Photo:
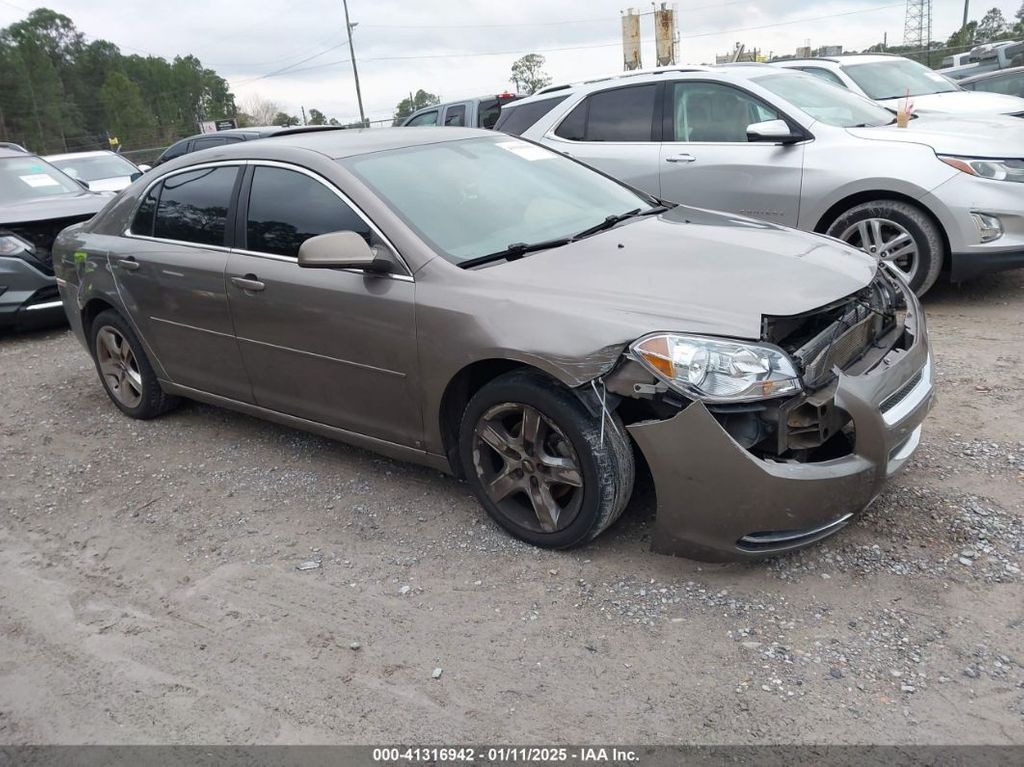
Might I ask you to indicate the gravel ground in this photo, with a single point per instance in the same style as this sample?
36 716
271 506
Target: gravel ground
210 578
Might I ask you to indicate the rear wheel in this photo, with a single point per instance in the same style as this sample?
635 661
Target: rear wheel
124 368
536 460
899 233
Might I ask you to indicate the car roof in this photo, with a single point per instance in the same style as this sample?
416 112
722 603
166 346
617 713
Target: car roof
69 155
859 58
990 74
354 141
8 152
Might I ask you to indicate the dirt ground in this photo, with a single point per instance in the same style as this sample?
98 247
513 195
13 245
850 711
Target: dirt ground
149 590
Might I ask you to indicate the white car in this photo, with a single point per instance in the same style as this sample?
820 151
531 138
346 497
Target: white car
887 79
100 171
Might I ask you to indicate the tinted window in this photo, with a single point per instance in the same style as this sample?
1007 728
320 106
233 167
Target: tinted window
427 118
208 141
515 119
175 150
286 208
193 206
1011 85
455 116
623 114
713 112
144 216
824 74
574 126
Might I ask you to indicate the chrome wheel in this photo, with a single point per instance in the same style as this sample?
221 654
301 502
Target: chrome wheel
887 240
528 467
118 366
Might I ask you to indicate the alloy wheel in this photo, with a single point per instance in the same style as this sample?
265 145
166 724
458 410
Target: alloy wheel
118 366
887 240
527 467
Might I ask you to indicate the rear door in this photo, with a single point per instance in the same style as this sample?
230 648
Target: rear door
170 275
455 115
707 161
617 131
335 346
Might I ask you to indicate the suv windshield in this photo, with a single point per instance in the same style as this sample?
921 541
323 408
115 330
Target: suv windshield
892 79
476 197
96 167
831 104
30 178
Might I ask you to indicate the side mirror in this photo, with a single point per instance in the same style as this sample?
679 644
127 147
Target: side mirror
145 167
342 250
773 131
83 182
135 176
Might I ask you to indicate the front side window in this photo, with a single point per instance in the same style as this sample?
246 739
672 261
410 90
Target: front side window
427 118
622 114
715 112
286 208
477 196
824 102
455 117
175 150
193 206
30 178
894 79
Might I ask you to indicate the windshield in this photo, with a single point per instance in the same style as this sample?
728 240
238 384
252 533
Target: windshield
30 178
831 104
475 197
892 79
96 167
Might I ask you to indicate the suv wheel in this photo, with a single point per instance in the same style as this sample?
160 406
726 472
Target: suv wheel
899 233
124 368
534 457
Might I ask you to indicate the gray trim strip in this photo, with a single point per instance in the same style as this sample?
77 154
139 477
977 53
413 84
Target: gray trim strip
372 368
190 327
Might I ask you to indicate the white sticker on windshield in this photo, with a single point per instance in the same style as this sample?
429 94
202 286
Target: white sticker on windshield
39 179
527 151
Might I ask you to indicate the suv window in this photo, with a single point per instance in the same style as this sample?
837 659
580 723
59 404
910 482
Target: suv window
455 116
175 150
193 206
714 112
1011 85
517 118
427 118
622 114
824 74
286 208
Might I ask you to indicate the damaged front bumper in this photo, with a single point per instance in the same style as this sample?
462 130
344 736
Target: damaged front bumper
717 501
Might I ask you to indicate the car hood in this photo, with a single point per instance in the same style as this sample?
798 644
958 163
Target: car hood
45 208
687 270
962 102
114 184
967 136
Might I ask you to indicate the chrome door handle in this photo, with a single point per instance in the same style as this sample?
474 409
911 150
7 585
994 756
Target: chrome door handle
128 264
248 283
681 158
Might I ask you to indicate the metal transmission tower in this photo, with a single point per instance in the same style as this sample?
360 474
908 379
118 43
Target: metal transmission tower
917 29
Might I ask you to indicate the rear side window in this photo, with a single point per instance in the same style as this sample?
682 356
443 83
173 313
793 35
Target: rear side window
193 206
207 142
455 117
427 118
516 119
286 208
145 215
623 114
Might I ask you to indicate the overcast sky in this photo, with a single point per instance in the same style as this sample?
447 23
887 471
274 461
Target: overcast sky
403 45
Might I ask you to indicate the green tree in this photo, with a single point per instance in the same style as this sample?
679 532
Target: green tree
992 26
415 101
1019 26
126 112
285 120
963 38
316 117
528 74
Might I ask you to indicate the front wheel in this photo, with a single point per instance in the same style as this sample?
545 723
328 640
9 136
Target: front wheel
536 460
899 233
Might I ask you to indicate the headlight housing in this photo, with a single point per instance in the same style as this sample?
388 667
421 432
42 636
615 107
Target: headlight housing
997 170
717 369
12 245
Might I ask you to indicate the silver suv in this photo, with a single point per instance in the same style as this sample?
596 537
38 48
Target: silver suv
787 147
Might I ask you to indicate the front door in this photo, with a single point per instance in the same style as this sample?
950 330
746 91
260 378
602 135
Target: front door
706 160
329 345
172 280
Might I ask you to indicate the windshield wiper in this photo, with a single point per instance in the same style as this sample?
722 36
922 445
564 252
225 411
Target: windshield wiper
611 221
515 251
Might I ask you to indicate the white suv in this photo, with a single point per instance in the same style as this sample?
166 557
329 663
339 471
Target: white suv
785 147
887 79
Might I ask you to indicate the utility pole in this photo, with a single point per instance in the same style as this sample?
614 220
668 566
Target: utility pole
349 26
967 6
304 115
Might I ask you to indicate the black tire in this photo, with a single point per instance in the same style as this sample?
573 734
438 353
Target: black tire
143 385
931 248
572 434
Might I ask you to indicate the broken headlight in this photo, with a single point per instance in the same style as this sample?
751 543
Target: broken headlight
717 370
